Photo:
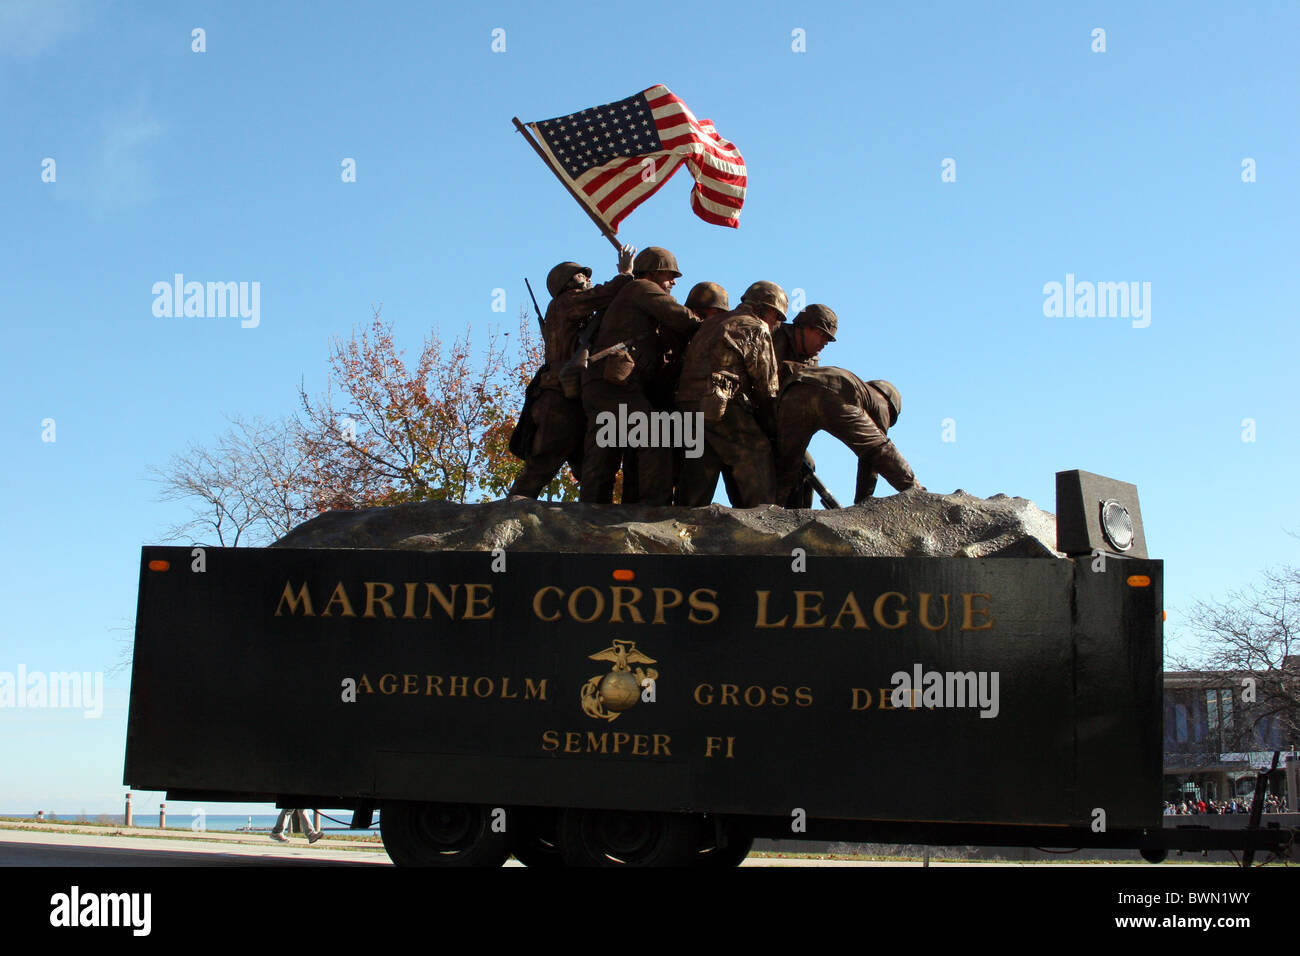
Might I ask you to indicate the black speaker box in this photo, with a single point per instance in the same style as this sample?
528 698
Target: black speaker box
1081 499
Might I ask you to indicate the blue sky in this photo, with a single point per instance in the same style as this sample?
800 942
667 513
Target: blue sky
1117 166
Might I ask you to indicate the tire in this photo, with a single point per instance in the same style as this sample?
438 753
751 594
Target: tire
733 853
442 834
534 839
1154 854
628 838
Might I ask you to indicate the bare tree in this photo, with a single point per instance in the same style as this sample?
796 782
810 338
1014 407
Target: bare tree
1251 640
245 489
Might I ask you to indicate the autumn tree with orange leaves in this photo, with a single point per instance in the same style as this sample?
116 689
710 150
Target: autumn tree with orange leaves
437 430
384 433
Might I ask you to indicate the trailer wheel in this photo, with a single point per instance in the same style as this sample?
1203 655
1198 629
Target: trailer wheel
733 853
628 838
442 834
1154 854
534 839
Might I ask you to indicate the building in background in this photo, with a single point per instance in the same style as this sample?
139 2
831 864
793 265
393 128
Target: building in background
1214 741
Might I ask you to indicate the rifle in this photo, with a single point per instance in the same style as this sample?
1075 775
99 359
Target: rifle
618 347
810 476
541 322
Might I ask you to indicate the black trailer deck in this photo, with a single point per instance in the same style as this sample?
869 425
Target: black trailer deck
1002 701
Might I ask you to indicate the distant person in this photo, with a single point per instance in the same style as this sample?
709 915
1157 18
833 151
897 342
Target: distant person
299 820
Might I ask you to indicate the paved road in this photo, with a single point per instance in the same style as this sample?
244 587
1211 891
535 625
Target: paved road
70 844
41 848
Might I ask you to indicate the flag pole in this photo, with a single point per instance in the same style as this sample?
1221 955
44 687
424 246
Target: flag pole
607 232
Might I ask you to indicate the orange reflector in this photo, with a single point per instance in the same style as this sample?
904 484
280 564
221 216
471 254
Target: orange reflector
1164 615
159 565
1139 581
624 574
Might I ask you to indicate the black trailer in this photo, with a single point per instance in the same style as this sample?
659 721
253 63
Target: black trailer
601 708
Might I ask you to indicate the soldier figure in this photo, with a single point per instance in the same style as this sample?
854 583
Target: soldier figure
730 377
635 317
704 299
559 420
798 343
858 413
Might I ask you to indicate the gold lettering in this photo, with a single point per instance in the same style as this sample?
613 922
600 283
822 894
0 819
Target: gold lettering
762 696
639 743
879 611
472 600
505 686
761 620
371 600
803 696
391 687
887 699
365 682
801 609
969 611
708 693
432 593
925 612
620 740
573 742
780 696
729 691
550 740
433 685
410 683
858 702
660 606
303 599
478 683
850 606
537 603
464 687
712 744
619 602
592 740
537 691
661 740
409 612
699 604
573 604
341 597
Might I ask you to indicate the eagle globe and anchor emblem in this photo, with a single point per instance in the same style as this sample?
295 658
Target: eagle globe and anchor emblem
606 696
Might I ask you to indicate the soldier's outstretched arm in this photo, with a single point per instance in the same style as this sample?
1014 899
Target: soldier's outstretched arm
668 311
854 427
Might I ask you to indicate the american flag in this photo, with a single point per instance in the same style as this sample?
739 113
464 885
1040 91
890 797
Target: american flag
603 152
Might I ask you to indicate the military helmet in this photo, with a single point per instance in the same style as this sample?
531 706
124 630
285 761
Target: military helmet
890 393
707 295
655 259
766 293
820 317
558 278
